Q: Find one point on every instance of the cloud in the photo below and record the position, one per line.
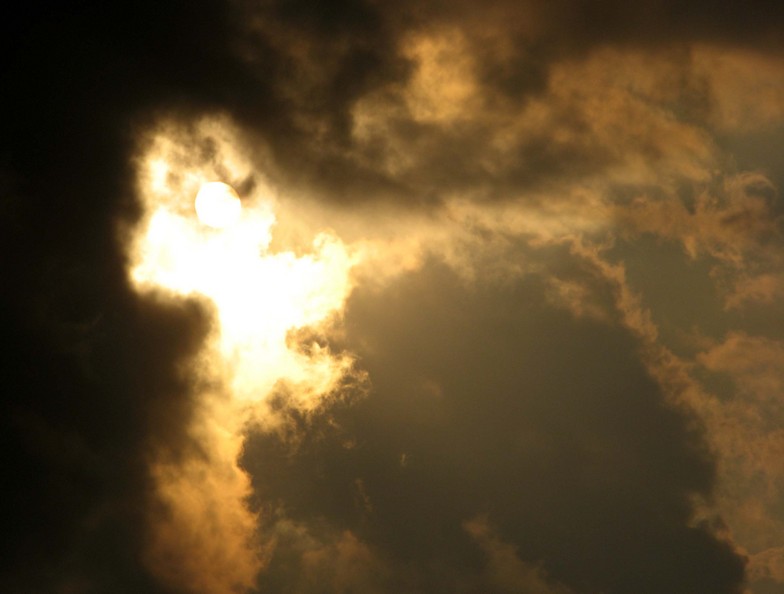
(731, 225)
(507, 571)
(748, 435)
(768, 565)
(504, 173)
(77, 423)
(521, 423)
(316, 558)
(202, 535)
(763, 288)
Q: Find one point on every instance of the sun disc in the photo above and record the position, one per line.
(218, 205)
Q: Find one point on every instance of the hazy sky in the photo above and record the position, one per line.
(504, 312)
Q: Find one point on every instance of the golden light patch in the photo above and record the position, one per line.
(443, 87)
(197, 240)
(220, 251)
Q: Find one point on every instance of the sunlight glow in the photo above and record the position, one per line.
(259, 296)
(198, 240)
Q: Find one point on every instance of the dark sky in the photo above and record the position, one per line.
(565, 326)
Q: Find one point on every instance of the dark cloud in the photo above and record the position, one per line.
(489, 402)
(89, 376)
(292, 73)
(330, 70)
(83, 397)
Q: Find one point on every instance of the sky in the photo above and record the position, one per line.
(502, 312)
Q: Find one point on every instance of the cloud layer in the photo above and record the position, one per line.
(561, 335)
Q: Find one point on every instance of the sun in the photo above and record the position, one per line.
(218, 205)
